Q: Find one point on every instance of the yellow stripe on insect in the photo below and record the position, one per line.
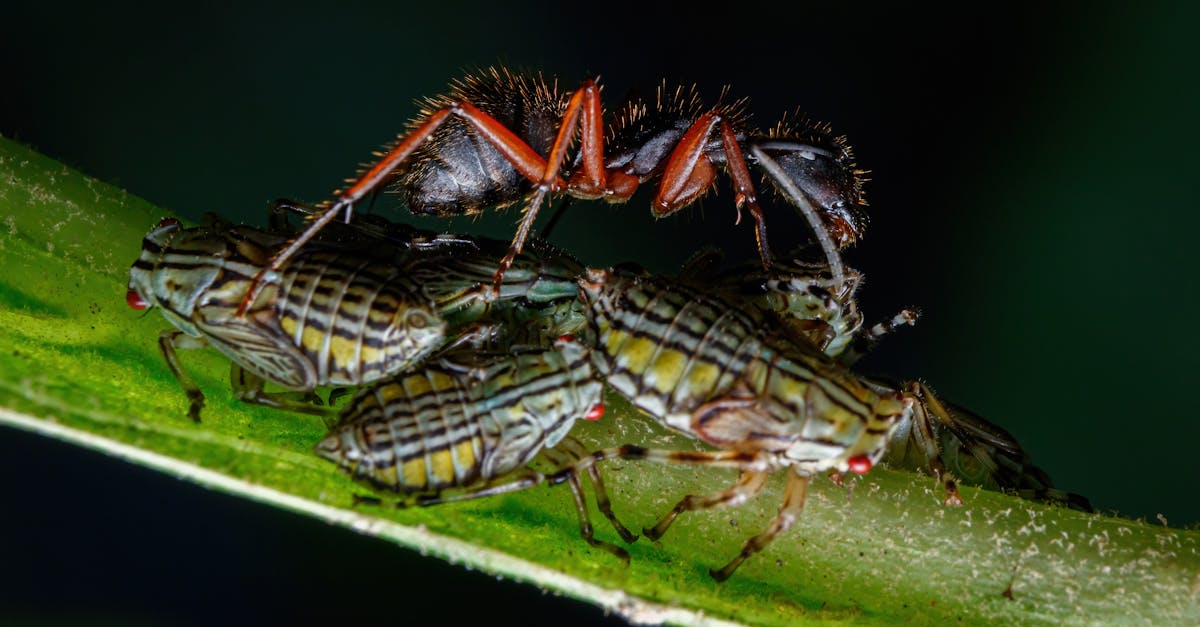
(387, 392)
(414, 474)
(636, 354)
(441, 467)
(312, 340)
(464, 453)
(664, 374)
(703, 375)
(412, 387)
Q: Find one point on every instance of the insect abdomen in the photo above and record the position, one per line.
(357, 321)
(667, 350)
(451, 427)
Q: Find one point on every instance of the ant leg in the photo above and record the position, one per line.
(793, 503)
(522, 157)
(374, 177)
(689, 172)
(747, 485)
(168, 341)
(585, 104)
(745, 191)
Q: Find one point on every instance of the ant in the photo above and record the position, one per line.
(482, 144)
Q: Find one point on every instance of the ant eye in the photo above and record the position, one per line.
(134, 300)
(168, 222)
(808, 154)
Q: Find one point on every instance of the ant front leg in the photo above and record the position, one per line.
(689, 172)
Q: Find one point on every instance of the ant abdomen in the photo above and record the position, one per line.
(457, 172)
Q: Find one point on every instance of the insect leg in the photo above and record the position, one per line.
(749, 461)
(603, 503)
(747, 485)
(751, 464)
(168, 341)
(249, 388)
(585, 523)
(793, 503)
(688, 171)
(522, 480)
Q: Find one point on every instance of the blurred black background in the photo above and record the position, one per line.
(1033, 191)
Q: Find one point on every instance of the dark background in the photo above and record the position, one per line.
(1033, 191)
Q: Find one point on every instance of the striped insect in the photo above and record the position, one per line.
(803, 297)
(499, 137)
(329, 318)
(942, 439)
(453, 268)
(475, 423)
(334, 316)
(960, 447)
(707, 367)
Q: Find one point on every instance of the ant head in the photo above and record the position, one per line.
(828, 180)
(808, 160)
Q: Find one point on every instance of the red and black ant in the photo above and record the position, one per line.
(497, 136)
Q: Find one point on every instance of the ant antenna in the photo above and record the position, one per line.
(801, 201)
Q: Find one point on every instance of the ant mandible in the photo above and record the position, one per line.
(481, 146)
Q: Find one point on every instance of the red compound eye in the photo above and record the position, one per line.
(859, 464)
(595, 413)
(134, 300)
(168, 222)
(565, 337)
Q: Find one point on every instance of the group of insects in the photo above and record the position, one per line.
(469, 361)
